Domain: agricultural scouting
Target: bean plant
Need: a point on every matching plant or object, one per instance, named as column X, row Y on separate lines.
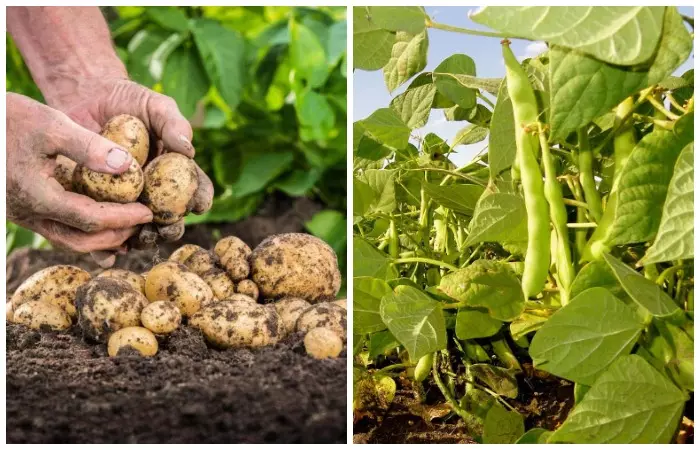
column 564, row 248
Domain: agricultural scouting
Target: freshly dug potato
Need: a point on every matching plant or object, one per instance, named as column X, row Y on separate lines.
column 172, row 232
column 173, row 282
column 106, row 305
column 324, row 315
column 138, row 338
column 130, row 133
column 184, row 252
column 136, row 281
column 233, row 256
column 249, row 288
column 37, row 314
column 161, row 317
column 295, row 265
column 63, row 172
column 289, row 310
column 323, row 343
column 342, row 302
column 237, row 323
column 9, row 311
column 221, row 285
column 201, row 262
column 170, row 183
column 105, row 187
column 56, row 285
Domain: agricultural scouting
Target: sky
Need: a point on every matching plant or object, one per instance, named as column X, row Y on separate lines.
column 370, row 92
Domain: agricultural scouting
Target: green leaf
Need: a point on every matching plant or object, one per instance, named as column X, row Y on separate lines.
column 489, row 85
column 382, row 184
column 398, row 18
column 645, row 293
column 413, row 106
column 371, row 44
column 331, row 226
column 370, row 262
column 415, row 320
column 502, row 426
column 367, row 147
column 367, row 296
column 169, row 17
column 185, row 80
column 409, row 55
column 259, row 168
column 675, row 238
column 451, row 88
column 316, row 116
column 381, row 343
column 486, row 284
column 385, row 126
column 534, row 436
column 596, row 274
column 473, row 323
column 307, row 55
column 298, row 183
column 362, row 199
column 584, row 337
column 498, row 218
column 498, row 379
column 337, row 44
column 630, row 403
column 622, row 35
column 461, row 198
column 159, row 58
column 140, row 50
column 502, row 134
column 527, row 323
column 471, row 134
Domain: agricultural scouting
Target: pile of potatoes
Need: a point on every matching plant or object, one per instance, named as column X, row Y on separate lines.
column 236, row 296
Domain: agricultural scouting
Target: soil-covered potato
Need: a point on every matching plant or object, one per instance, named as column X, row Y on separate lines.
column 233, row 256
column 201, row 262
column 37, row 314
column 289, row 310
column 105, row 187
column 249, row 288
column 221, row 285
column 106, row 305
column 173, row 282
column 342, row 302
column 170, row 182
column 237, row 323
column 295, row 265
column 136, row 338
column 56, row 284
column 172, row 232
column 323, row 343
column 63, row 172
column 184, row 252
column 136, row 281
column 324, row 315
column 130, row 133
column 161, row 317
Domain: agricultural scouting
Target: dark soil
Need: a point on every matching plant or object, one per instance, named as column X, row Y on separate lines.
column 62, row 389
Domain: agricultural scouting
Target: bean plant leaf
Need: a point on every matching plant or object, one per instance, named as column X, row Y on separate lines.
column 528, row 322
column 498, row 379
column 629, row 403
column 596, row 274
column 502, row 134
column 409, row 55
column 258, row 169
column 489, row 85
column 584, row 337
column 471, row 134
column 644, row 292
column 382, row 184
column 398, row 18
column 475, row 323
column 675, row 239
column 451, row 88
column 621, row 35
column 502, row 426
column 534, row 436
column 381, row 342
column 461, row 198
column 413, row 106
column 362, row 198
column 367, row 296
column 371, row 44
column 386, row 126
column 315, row 115
column 185, row 80
column 368, row 261
column 498, row 218
column 365, row 146
column 416, row 320
column 307, row 54
column 169, row 17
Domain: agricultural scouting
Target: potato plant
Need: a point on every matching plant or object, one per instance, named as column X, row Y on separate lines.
column 565, row 244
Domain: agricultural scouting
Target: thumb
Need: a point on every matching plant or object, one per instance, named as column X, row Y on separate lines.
column 92, row 150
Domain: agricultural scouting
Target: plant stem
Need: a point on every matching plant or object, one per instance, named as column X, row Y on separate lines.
column 577, row 203
column 582, row 225
column 660, row 108
column 473, row 254
column 441, row 26
column 446, row 393
column 675, row 103
column 450, row 172
column 662, row 124
column 505, row 354
column 497, row 397
column 668, row 272
column 485, row 99
column 426, row 261
column 393, row 367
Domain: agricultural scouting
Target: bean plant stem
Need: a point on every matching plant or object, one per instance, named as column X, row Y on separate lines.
column 426, row 261
column 582, row 225
column 505, row 354
column 667, row 273
column 660, row 108
column 441, row 26
column 485, row 99
column 393, row 367
column 446, row 393
column 571, row 202
column 675, row 103
column 450, row 172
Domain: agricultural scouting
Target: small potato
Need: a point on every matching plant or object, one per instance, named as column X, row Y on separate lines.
column 323, row 343
column 342, row 302
column 184, row 252
column 136, row 281
column 295, row 265
column 9, row 312
column 249, row 288
column 233, row 256
column 105, row 187
column 201, row 262
column 106, row 305
column 237, row 323
column 63, row 172
column 138, row 338
column 161, row 317
column 289, row 310
column 173, row 282
column 170, row 182
column 324, row 315
column 221, row 285
column 37, row 314
column 172, row 232
column 56, row 285
column 130, row 133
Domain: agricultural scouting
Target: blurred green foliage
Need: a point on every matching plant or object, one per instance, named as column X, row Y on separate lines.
column 264, row 88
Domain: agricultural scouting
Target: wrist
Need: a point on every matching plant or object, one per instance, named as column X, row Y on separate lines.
column 67, row 84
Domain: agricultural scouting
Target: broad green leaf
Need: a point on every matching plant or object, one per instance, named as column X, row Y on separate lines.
column 415, row 320
column 623, row 35
column 158, row 60
column 630, row 403
column 498, row 379
column 385, row 126
column 398, row 18
column 367, row 296
column 473, row 323
column 498, row 218
column 336, row 45
column 502, row 426
column 169, row 17
column 413, row 106
column 382, row 184
column 681, row 366
column 432, row 144
column 185, row 80
column 362, row 198
column 370, row 262
column 580, row 391
column 315, row 114
column 298, row 182
column 258, row 169
column 501, row 134
column 528, row 322
column 409, row 55
column 366, row 147
column 471, row 134
column 675, row 239
column 596, row 274
column 331, row 226
column 583, row 88
column 534, row 436
column 307, row 54
column 371, row 44
column 381, row 343
column 486, row 284
column 461, row 198
column 645, row 293
column 140, row 51
column 489, row 85
column 451, row 88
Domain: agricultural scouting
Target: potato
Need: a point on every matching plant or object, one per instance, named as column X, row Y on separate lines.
column 221, row 285
column 130, row 133
column 342, row 302
column 249, row 288
column 137, row 338
column 289, row 310
column 201, row 262
column 295, row 265
column 9, row 312
column 184, row 252
column 237, row 323
column 323, row 343
column 233, row 256
column 37, row 314
column 105, row 187
column 134, row 279
column 170, row 182
column 172, row 232
column 106, row 305
column 324, row 315
column 173, row 282
column 63, row 172
column 56, row 285
column 161, row 317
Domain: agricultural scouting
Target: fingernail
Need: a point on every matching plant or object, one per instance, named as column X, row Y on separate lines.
column 186, row 142
column 116, row 158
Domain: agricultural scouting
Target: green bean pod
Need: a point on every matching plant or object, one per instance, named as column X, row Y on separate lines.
column 585, row 167
column 423, row 367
